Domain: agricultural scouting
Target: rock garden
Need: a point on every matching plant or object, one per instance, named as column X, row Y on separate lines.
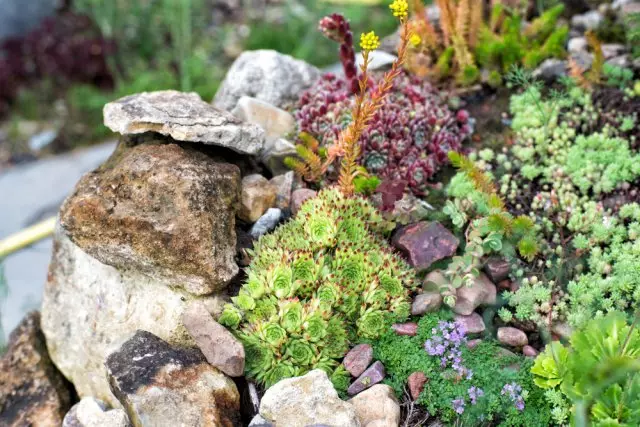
column 444, row 230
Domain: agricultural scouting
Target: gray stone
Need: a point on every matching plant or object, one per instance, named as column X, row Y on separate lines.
column 587, row 21
column 299, row 196
column 611, row 50
column 259, row 421
column 358, row 358
column 582, row 59
column 90, row 412
column 424, row 243
column 577, row 44
column 32, row 390
column 266, row 223
column 258, row 195
column 512, row 336
column 427, row 302
column 161, row 209
column 551, row 69
column 622, row 61
column 90, row 308
column 184, row 117
column 164, row 386
column 378, row 60
column 307, row 400
column 276, row 122
column 219, row 346
column 370, row 377
column 563, row 330
column 481, row 292
column 266, row 75
column 283, row 185
column 473, row 323
column 377, row 407
column 274, row 155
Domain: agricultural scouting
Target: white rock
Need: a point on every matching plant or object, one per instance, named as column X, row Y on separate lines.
column 377, row 406
column 274, row 154
column 276, row 122
column 266, row 75
column 90, row 412
column 184, row 117
column 551, row 69
column 577, row 44
column 89, row 309
column 266, row 222
column 307, row 400
column 379, row 59
column 587, row 21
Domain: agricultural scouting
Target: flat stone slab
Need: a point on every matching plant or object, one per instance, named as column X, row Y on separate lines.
column 184, row 117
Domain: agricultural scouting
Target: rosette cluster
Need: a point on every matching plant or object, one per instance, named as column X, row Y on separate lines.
column 316, row 284
column 409, row 136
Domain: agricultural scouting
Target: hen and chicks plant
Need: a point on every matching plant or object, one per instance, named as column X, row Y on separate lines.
column 408, row 135
column 465, row 44
column 326, row 278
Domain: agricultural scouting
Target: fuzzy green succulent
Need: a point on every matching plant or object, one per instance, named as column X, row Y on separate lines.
column 317, row 283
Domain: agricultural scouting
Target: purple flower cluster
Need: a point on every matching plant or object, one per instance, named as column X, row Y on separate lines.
column 474, row 394
column 445, row 342
column 458, row 405
column 407, row 139
column 514, row 391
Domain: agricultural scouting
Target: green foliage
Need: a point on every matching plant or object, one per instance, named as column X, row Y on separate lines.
column 598, row 373
column 632, row 24
column 318, row 282
column 619, row 77
column 492, row 369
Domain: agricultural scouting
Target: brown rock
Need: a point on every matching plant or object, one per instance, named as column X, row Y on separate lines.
column 161, row 209
column 258, row 195
column 497, row 269
column 481, row 292
column 32, row 391
column 512, row 336
column 357, row 359
column 377, row 407
column 410, row 328
column 299, row 196
column 473, row 323
column 160, row 385
column 283, row 185
column 217, row 344
column 416, row 382
column 426, row 303
column 424, row 243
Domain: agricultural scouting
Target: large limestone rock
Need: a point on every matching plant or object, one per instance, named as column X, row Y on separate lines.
column 89, row 309
column 32, row 391
column 306, row 401
column 377, row 407
column 163, row 386
column 162, row 210
column 90, row 412
column 266, row 75
column 184, row 117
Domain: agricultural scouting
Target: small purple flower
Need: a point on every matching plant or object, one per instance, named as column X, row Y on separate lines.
column 445, row 342
column 474, row 394
column 458, row 405
column 514, row 391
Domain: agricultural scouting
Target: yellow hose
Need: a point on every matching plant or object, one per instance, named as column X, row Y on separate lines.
column 27, row 237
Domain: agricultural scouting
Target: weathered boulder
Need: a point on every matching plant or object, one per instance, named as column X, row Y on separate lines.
column 164, row 386
column 258, row 195
column 305, row 401
column 90, row 308
column 221, row 349
column 424, row 243
column 32, row 391
column 184, row 117
column 377, row 407
column 161, row 209
column 266, row 75
column 90, row 412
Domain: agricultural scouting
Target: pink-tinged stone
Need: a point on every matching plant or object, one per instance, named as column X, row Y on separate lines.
column 416, row 382
column 410, row 328
column 481, row 292
column 512, row 337
column 473, row 343
column 299, row 196
column 357, row 359
column 373, row 375
column 529, row 351
column 424, row 243
column 473, row 323
column 497, row 269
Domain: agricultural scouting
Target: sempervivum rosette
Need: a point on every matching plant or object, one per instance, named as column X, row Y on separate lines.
column 317, row 283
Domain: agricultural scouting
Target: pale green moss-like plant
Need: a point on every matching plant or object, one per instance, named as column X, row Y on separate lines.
column 317, row 283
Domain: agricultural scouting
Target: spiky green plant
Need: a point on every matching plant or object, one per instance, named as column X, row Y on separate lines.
column 317, row 283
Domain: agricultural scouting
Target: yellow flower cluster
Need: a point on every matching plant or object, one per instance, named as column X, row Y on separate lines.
column 415, row 40
column 369, row 41
column 400, row 8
